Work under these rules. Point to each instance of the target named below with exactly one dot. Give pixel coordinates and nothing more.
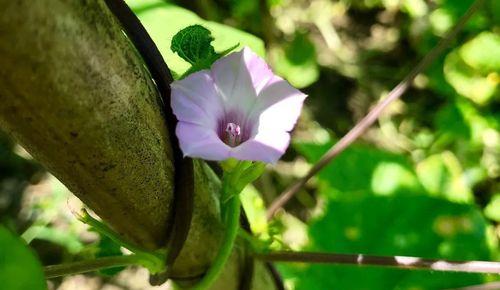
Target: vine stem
(91, 265)
(231, 231)
(400, 262)
(104, 229)
(154, 261)
(373, 115)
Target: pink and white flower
(237, 109)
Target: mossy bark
(75, 93)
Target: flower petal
(278, 106)
(195, 100)
(200, 142)
(241, 89)
(260, 72)
(266, 146)
(239, 77)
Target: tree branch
(373, 115)
(400, 262)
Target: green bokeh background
(424, 181)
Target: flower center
(232, 136)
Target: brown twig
(486, 286)
(400, 262)
(373, 115)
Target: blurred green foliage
(361, 168)
(296, 61)
(19, 268)
(376, 203)
(423, 182)
(393, 225)
(473, 69)
(15, 174)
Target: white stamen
(233, 134)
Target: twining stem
(92, 265)
(373, 115)
(237, 174)
(154, 261)
(232, 223)
(102, 228)
(401, 262)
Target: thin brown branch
(486, 286)
(373, 115)
(400, 262)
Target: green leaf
(442, 175)
(297, 61)
(494, 9)
(449, 11)
(163, 20)
(106, 248)
(450, 119)
(361, 169)
(65, 238)
(368, 210)
(468, 81)
(474, 69)
(193, 44)
(492, 210)
(416, 8)
(19, 268)
(483, 52)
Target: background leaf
(297, 61)
(474, 69)
(375, 203)
(388, 226)
(483, 52)
(360, 168)
(19, 268)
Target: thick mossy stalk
(75, 93)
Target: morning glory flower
(237, 109)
